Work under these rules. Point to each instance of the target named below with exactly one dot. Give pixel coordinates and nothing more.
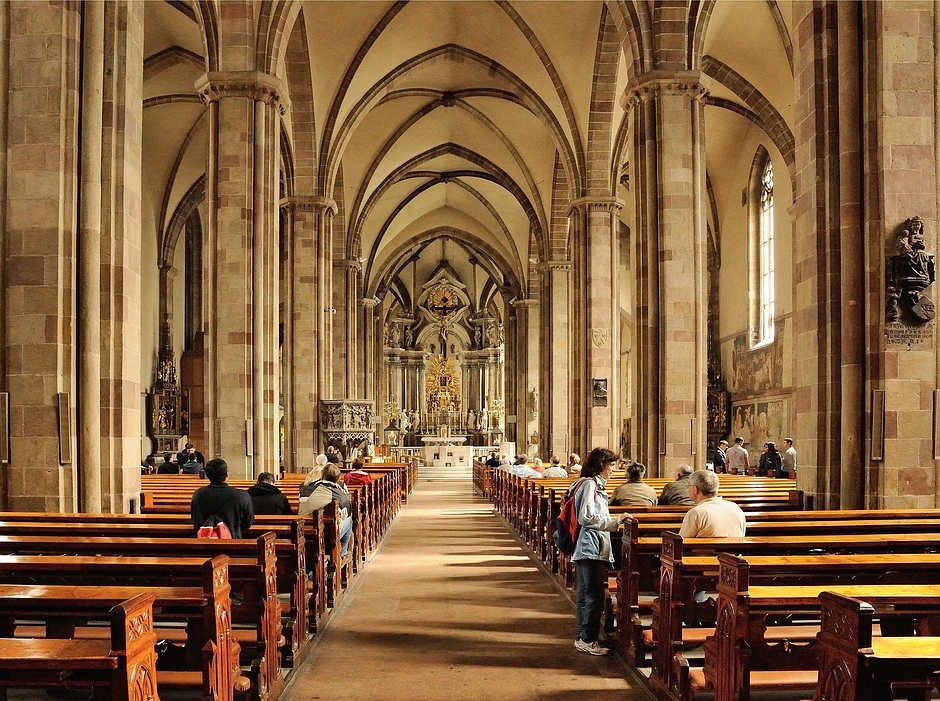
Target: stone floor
(452, 607)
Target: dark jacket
(184, 457)
(231, 505)
(168, 468)
(268, 499)
(771, 461)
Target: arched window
(762, 259)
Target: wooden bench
(125, 663)
(258, 608)
(288, 556)
(856, 666)
(210, 646)
(739, 646)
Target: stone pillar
(309, 218)
(120, 275)
(554, 363)
(527, 349)
(243, 235)
(346, 327)
(39, 247)
(366, 357)
(595, 338)
(89, 259)
(671, 262)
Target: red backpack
(567, 527)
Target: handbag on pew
(567, 527)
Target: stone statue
(394, 336)
(409, 337)
(471, 420)
(910, 272)
(484, 420)
(478, 337)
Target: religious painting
(758, 370)
(759, 422)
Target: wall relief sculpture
(910, 271)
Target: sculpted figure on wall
(910, 272)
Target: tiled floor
(451, 607)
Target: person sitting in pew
(321, 492)
(266, 498)
(169, 466)
(678, 492)
(231, 505)
(520, 469)
(634, 492)
(357, 475)
(712, 516)
(556, 470)
(574, 464)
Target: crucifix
(443, 303)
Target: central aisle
(451, 607)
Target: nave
(452, 607)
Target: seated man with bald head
(678, 492)
(712, 516)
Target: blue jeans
(591, 583)
(345, 533)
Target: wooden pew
(856, 666)
(126, 663)
(120, 537)
(738, 645)
(211, 648)
(259, 607)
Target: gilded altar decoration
(168, 413)
(443, 385)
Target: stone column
(671, 262)
(527, 373)
(244, 239)
(39, 246)
(366, 355)
(595, 323)
(120, 274)
(89, 259)
(346, 327)
(554, 363)
(309, 218)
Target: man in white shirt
(737, 458)
(556, 470)
(712, 516)
(789, 458)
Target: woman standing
(593, 553)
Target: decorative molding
(610, 205)
(255, 85)
(310, 203)
(562, 265)
(655, 84)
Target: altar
(447, 451)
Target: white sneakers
(591, 648)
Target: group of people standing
(736, 460)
